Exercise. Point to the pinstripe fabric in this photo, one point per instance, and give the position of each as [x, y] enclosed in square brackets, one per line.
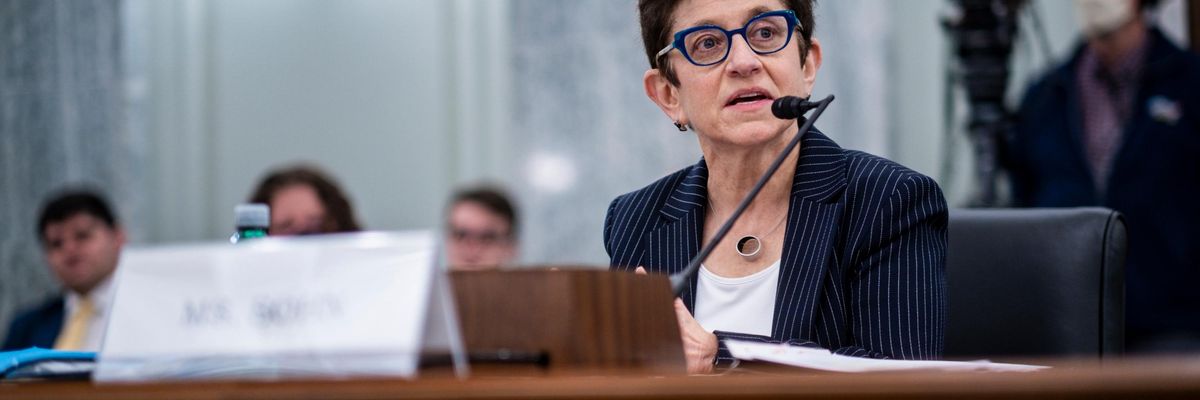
[863, 268]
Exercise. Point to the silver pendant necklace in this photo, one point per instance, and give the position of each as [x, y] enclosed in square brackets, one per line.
[750, 246]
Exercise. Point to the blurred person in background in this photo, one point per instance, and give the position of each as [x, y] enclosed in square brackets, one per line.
[305, 200]
[481, 229]
[82, 241]
[1116, 126]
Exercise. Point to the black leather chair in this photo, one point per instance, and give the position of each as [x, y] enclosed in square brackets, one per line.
[1035, 282]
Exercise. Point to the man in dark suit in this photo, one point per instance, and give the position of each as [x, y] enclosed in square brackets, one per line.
[82, 241]
[1116, 126]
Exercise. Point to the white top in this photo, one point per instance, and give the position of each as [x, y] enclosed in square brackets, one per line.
[743, 305]
[101, 297]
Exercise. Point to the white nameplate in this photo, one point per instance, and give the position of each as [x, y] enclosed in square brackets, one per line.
[342, 305]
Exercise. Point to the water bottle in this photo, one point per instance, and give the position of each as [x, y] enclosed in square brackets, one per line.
[252, 221]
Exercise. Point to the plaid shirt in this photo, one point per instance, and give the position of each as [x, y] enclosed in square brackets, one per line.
[1106, 98]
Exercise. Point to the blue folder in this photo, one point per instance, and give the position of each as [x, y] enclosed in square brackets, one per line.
[39, 363]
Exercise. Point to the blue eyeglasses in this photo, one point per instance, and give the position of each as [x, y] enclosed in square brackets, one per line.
[706, 45]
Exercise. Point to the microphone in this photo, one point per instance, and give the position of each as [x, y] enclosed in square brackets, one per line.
[792, 107]
[787, 107]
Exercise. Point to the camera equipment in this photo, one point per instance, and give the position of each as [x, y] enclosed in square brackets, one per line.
[982, 33]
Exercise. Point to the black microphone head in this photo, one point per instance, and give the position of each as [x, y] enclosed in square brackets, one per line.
[790, 107]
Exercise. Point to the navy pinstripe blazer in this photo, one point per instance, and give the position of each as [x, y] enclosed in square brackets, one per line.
[863, 268]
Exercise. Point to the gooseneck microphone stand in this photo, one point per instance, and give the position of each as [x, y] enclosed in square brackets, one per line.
[783, 108]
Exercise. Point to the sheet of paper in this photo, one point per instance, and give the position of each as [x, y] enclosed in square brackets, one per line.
[821, 359]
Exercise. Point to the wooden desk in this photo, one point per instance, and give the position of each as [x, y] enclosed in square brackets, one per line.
[1132, 379]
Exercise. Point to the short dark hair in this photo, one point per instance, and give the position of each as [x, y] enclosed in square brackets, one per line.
[71, 202]
[339, 215]
[491, 198]
[655, 16]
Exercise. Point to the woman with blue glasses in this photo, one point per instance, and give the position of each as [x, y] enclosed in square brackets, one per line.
[841, 250]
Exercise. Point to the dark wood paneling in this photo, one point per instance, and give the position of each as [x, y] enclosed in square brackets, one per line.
[580, 318]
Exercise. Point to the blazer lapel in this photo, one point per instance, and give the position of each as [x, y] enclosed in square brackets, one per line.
[814, 220]
[677, 240]
[1163, 64]
[813, 223]
[1075, 130]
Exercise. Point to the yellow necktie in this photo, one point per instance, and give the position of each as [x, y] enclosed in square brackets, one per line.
[72, 335]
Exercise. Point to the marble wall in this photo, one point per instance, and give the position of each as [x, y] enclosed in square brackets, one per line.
[61, 118]
[587, 131]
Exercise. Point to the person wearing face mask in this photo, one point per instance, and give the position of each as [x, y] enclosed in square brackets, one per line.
[841, 249]
[1116, 126]
[304, 200]
[82, 242]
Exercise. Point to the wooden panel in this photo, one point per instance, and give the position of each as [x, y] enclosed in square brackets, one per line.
[579, 317]
[1139, 379]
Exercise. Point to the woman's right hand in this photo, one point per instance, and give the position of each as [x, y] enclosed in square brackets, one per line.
[699, 345]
